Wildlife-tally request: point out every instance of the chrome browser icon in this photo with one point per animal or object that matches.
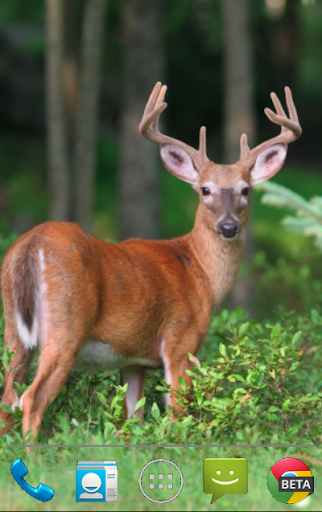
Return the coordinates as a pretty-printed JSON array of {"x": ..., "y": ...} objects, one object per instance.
[{"x": 290, "y": 481}]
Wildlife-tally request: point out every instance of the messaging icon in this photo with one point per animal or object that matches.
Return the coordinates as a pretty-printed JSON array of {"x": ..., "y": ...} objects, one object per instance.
[{"x": 224, "y": 476}]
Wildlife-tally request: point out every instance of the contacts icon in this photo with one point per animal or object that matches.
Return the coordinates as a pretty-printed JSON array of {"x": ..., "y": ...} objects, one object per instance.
[
  {"x": 91, "y": 483},
  {"x": 96, "y": 480}
]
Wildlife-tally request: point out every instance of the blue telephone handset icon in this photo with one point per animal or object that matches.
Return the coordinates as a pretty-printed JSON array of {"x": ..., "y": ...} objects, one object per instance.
[{"x": 41, "y": 493}]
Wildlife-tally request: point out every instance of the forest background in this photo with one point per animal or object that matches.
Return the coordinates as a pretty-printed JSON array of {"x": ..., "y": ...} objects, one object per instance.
[
  {"x": 75, "y": 76},
  {"x": 74, "y": 79}
]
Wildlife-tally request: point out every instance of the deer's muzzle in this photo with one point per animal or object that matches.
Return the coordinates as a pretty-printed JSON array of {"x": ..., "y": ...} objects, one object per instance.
[{"x": 228, "y": 229}]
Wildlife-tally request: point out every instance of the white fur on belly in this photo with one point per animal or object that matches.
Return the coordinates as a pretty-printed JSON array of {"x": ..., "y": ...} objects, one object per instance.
[{"x": 96, "y": 356}]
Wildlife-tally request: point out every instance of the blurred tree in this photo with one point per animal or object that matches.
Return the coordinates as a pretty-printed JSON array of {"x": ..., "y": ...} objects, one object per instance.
[
  {"x": 87, "y": 114},
  {"x": 59, "y": 174},
  {"x": 239, "y": 115},
  {"x": 72, "y": 109},
  {"x": 286, "y": 44},
  {"x": 275, "y": 8},
  {"x": 283, "y": 41},
  {"x": 70, "y": 68},
  {"x": 139, "y": 181},
  {"x": 193, "y": 42}
]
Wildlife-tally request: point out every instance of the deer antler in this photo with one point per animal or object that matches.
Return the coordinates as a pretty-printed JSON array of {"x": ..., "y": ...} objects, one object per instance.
[
  {"x": 290, "y": 131},
  {"x": 149, "y": 128}
]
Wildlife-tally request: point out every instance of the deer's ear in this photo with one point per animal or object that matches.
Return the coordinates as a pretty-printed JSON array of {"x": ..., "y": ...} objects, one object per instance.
[
  {"x": 268, "y": 163},
  {"x": 179, "y": 163}
]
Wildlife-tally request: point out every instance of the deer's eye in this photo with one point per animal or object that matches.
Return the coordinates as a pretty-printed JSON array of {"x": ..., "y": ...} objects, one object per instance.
[
  {"x": 205, "y": 191},
  {"x": 245, "y": 191}
]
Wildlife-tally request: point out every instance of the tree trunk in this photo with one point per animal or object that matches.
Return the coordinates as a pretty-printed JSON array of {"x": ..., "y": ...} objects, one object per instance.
[
  {"x": 284, "y": 41},
  {"x": 87, "y": 116},
  {"x": 239, "y": 116},
  {"x": 72, "y": 15},
  {"x": 59, "y": 179},
  {"x": 139, "y": 177}
]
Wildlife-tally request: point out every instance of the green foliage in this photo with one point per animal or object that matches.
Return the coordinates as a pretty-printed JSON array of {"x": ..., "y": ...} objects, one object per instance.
[
  {"x": 254, "y": 383},
  {"x": 292, "y": 283},
  {"x": 308, "y": 220},
  {"x": 308, "y": 2},
  {"x": 260, "y": 383},
  {"x": 21, "y": 12}
]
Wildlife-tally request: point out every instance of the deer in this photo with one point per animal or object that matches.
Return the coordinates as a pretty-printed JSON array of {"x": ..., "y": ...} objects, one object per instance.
[{"x": 138, "y": 304}]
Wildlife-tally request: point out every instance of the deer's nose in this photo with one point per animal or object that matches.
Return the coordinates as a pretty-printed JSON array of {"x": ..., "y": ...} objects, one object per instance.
[{"x": 228, "y": 229}]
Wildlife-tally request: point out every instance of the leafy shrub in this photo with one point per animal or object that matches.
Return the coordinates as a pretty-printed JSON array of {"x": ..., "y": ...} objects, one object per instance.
[
  {"x": 308, "y": 219},
  {"x": 262, "y": 386}
]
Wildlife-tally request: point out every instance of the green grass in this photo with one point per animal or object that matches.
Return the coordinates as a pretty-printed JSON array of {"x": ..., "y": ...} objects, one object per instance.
[{"x": 56, "y": 468}]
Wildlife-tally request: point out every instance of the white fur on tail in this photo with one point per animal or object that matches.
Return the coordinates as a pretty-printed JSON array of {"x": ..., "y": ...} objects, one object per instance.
[{"x": 31, "y": 339}]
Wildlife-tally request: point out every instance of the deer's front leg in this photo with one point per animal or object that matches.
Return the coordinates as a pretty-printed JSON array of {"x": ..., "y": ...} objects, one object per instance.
[
  {"x": 134, "y": 377},
  {"x": 175, "y": 366}
]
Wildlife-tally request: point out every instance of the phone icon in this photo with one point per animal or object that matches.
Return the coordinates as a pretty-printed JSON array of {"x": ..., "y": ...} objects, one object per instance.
[{"x": 41, "y": 493}]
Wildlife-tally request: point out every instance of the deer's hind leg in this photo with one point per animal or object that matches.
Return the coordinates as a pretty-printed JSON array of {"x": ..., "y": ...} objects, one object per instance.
[
  {"x": 57, "y": 358},
  {"x": 17, "y": 372}
]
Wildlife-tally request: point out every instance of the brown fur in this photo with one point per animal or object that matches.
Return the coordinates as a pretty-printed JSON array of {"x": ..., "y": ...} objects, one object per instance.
[
  {"x": 147, "y": 300},
  {"x": 24, "y": 268},
  {"x": 133, "y": 295}
]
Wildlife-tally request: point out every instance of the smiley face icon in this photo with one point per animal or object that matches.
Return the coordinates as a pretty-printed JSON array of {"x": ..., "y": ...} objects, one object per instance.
[
  {"x": 224, "y": 476},
  {"x": 228, "y": 482}
]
